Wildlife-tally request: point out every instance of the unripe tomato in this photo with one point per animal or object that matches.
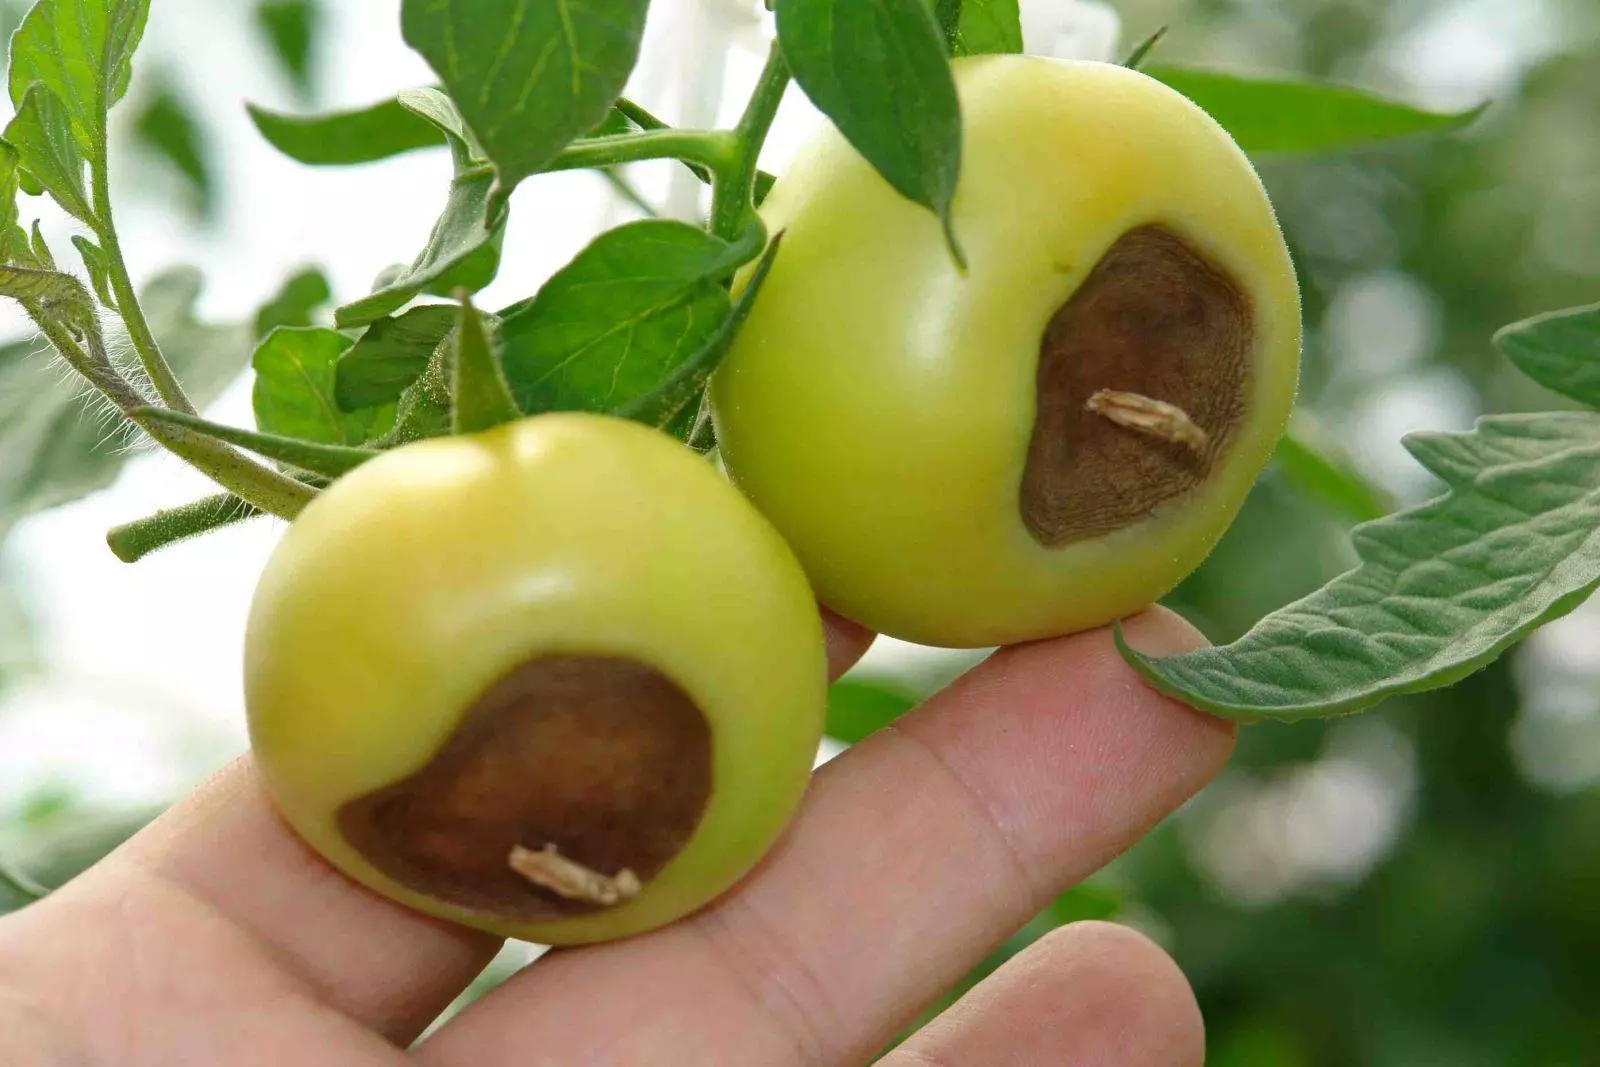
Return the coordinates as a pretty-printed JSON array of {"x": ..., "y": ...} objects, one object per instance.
[
  {"x": 558, "y": 680},
  {"x": 1055, "y": 437}
]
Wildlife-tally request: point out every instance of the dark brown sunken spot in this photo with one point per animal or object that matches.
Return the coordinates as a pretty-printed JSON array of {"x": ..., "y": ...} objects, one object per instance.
[
  {"x": 606, "y": 759},
  {"x": 1155, "y": 318}
]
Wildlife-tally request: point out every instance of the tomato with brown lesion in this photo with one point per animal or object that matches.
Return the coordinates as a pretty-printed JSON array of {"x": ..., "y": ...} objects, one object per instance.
[
  {"x": 1054, "y": 437},
  {"x": 558, "y": 680}
]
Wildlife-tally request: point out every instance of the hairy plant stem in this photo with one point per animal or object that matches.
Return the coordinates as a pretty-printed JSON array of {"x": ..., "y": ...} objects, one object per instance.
[
  {"x": 714, "y": 150},
  {"x": 261, "y": 486},
  {"x": 133, "y": 541},
  {"x": 733, "y": 193},
  {"x": 155, "y": 364}
]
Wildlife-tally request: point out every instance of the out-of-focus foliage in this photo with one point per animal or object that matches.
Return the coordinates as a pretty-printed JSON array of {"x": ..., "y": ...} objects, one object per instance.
[
  {"x": 291, "y": 28},
  {"x": 165, "y": 125},
  {"x": 1421, "y": 885}
]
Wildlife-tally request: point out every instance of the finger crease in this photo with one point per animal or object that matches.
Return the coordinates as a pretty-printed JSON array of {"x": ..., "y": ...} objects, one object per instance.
[
  {"x": 758, "y": 957},
  {"x": 1022, "y": 883}
]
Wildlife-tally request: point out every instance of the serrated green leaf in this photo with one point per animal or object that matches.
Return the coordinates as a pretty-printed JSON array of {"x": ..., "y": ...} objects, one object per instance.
[
  {"x": 296, "y": 303},
  {"x": 1320, "y": 473},
  {"x": 293, "y": 394},
  {"x": 609, "y": 326},
  {"x": 1265, "y": 115},
  {"x": 980, "y": 27},
  {"x": 313, "y": 457},
  {"x": 462, "y": 251},
  {"x": 1442, "y": 589},
  {"x": 167, "y": 127},
  {"x": 291, "y": 28},
  {"x": 41, "y": 132},
  {"x": 1559, "y": 350},
  {"x": 529, "y": 75},
  {"x": 481, "y": 399},
  {"x": 391, "y": 355},
  {"x": 83, "y": 51},
  {"x": 98, "y": 269},
  {"x": 878, "y": 69},
  {"x": 338, "y": 138}
]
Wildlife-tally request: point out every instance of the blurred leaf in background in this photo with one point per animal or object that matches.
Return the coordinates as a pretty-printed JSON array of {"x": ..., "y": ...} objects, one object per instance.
[
  {"x": 165, "y": 125},
  {"x": 291, "y": 29},
  {"x": 53, "y": 837}
]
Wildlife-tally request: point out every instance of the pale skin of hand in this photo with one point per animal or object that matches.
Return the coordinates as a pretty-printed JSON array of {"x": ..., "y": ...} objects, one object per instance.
[{"x": 214, "y": 937}]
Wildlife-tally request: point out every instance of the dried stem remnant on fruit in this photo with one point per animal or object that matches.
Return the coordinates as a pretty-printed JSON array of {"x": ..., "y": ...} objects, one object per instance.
[
  {"x": 570, "y": 782},
  {"x": 1142, "y": 382}
]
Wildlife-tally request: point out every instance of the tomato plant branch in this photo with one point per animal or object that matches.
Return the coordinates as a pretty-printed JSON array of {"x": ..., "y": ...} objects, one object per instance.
[
  {"x": 712, "y": 149},
  {"x": 733, "y": 194},
  {"x": 132, "y": 541},
  {"x": 265, "y": 488},
  {"x": 167, "y": 386}
]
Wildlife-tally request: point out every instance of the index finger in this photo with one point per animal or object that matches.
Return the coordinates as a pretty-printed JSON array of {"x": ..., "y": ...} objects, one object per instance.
[
  {"x": 382, "y": 964},
  {"x": 914, "y": 854}
]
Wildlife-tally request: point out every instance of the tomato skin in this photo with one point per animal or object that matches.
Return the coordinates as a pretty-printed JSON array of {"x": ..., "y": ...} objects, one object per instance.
[
  {"x": 414, "y": 582},
  {"x": 878, "y": 404}
]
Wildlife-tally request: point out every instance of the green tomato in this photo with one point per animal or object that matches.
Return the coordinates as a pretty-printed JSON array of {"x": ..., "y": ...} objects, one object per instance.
[
  {"x": 558, "y": 681},
  {"x": 1056, "y": 436}
]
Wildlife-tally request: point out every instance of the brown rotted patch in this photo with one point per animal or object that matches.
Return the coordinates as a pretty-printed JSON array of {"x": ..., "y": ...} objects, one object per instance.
[
  {"x": 605, "y": 759},
  {"x": 1156, "y": 319}
]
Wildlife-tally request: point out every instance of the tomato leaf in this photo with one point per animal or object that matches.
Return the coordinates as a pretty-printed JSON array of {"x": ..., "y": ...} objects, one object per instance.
[
  {"x": 609, "y": 326},
  {"x": 878, "y": 69},
  {"x": 462, "y": 252},
  {"x": 363, "y": 135},
  {"x": 82, "y": 50},
  {"x": 980, "y": 27},
  {"x": 529, "y": 75},
  {"x": 291, "y": 27},
  {"x": 391, "y": 355},
  {"x": 41, "y": 133},
  {"x": 1288, "y": 116},
  {"x": 1559, "y": 350},
  {"x": 672, "y": 404},
  {"x": 1442, "y": 589},
  {"x": 293, "y": 394},
  {"x": 167, "y": 127},
  {"x": 295, "y": 303},
  {"x": 99, "y": 271},
  {"x": 481, "y": 398}
]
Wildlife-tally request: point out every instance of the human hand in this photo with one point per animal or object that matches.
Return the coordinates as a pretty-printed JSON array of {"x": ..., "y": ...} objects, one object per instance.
[{"x": 215, "y": 937}]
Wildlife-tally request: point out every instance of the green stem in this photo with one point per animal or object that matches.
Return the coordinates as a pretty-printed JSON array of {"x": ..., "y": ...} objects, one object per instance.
[
  {"x": 20, "y": 884},
  {"x": 711, "y": 149},
  {"x": 133, "y": 541},
  {"x": 144, "y": 342},
  {"x": 732, "y": 196},
  {"x": 265, "y": 488},
  {"x": 330, "y": 461}
]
